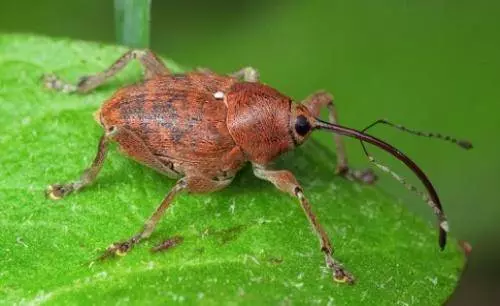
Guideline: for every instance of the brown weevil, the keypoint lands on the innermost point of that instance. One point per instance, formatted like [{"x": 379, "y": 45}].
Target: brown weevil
[{"x": 201, "y": 128}]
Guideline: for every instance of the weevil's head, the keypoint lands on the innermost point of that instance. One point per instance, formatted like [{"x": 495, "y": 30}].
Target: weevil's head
[
  {"x": 302, "y": 123},
  {"x": 264, "y": 122}
]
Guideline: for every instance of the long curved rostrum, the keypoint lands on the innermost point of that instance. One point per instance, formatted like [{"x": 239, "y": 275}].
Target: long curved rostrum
[{"x": 434, "y": 201}]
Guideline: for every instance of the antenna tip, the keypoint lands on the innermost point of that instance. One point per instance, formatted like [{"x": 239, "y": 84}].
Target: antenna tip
[{"x": 465, "y": 144}]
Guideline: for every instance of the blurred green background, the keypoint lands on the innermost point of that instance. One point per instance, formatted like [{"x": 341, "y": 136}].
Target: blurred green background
[{"x": 431, "y": 65}]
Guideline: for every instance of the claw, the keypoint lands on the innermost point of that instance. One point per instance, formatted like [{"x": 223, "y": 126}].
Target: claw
[
  {"x": 118, "y": 249},
  {"x": 340, "y": 276},
  {"x": 121, "y": 250},
  {"x": 57, "y": 191},
  {"x": 51, "y": 81}
]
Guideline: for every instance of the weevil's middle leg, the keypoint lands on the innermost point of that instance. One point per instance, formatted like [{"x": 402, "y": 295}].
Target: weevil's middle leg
[
  {"x": 315, "y": 103},
  {"x": 121, "y": 248},
  {"x": 286, "y": 182},
  {"x": 58, "y": 191},
  {"x": 189, "y": 183},
  {"x": 153, "y": 66}
]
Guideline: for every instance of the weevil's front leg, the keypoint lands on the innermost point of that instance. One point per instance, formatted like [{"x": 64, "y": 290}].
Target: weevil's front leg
[
  {"x": 247, "y": 74},
  {"x": 315, "y": 103},
  {"x": 286, "y": 182},
  {"x": 153, "y": 66},
  {"x": 58, "y": 191}
]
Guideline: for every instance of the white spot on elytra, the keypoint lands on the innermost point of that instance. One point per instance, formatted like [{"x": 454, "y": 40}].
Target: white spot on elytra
[{"x": 219, "y": 95}]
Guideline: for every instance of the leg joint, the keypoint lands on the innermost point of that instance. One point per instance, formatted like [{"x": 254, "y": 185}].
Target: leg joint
[
  {"x": 299, "y": 192},
  {"x": 138, "y": 53}
]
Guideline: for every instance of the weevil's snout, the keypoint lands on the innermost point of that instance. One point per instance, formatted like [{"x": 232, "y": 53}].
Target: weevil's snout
[{"x": 301, "y": 123}]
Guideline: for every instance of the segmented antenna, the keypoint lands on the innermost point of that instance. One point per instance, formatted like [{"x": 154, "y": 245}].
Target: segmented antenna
[
  {"x": 462, "y": 143},
  {"x": 443, "y": 223}
]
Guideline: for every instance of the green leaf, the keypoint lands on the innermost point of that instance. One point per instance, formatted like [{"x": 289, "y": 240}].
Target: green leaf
[{"x": 247, "y": 244}]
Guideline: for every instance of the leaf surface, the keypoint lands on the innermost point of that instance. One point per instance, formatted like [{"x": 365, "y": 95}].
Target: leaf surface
[{"x": 247, "y": 244}]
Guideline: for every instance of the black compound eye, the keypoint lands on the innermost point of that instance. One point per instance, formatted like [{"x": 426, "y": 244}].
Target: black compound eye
[{"x": 302, "y": 125}]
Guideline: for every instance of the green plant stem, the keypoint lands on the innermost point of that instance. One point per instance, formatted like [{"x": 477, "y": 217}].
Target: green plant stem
[{"x": 132, "y": 18}]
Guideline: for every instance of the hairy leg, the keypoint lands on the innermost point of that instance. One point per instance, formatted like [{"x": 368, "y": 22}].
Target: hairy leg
[
  {"x": 121, "y": 248},
  {"x": 58, "y": 191},
  {"x": 191, "y": 184},
  {"x": 286, "y": 182},
  {"x": 153, "y": 66}
]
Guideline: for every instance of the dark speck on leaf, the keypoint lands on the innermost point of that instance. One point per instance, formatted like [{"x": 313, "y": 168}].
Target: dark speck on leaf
[
  {"x": 275, "y": 260},
  {"x": 226, "y": 235},
  {"x": 168, "y": 244}
]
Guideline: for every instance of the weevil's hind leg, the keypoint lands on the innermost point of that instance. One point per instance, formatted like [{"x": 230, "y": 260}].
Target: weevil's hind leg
[
  {"x": 315, "y": 103},
  {"x": 191, "y": 184},
  {"x": 58, "y": 191},
  {"x": 153, "y": 66},
  {"x": 247, "y": 74},
  {"x": 286, "y": 182}
]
